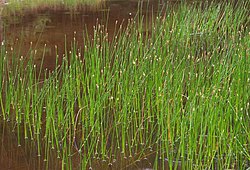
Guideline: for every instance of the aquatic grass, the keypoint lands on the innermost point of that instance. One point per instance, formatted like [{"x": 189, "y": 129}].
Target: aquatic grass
[
  {"x": 177, "y": 89},
  {"x": 19, "y": 8},
  {"x": 2, "y": 67},
  {"x": 15, "y": 9},
  {"x": 50, "y": 3}
]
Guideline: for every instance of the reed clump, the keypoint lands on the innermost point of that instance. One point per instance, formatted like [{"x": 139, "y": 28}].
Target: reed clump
[{"x": 178, "y": 90}]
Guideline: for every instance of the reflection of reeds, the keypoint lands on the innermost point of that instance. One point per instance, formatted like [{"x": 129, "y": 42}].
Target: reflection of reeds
[{"x": 171, "y": 91}]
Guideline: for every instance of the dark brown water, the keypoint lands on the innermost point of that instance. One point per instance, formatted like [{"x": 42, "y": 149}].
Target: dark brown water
[
  {"x": 25, "y": 156},
  {"x": 31, "y": 31}
]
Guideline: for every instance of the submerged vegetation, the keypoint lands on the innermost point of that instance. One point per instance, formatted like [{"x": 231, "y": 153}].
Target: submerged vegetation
[{"x": 176, "y": 87}]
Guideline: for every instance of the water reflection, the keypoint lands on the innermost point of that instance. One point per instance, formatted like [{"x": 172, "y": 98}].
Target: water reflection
[
  {"x": 25, "y": 156},
  {"x": 12, "y": 156},
  {"x": 53, "y": 27},
  {"x": 22, "y": 154}
]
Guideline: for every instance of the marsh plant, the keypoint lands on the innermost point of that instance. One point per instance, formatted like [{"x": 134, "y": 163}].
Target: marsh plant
[
  {"x": 178, "y": 91},
  {"x": 21, "y": 7}
]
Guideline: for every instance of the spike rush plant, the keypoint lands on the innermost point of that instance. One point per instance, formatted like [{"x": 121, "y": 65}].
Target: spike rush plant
[{"x": 175, "y": 88}]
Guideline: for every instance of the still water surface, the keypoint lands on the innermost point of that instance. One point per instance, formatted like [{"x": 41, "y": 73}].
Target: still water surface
[{"x": 54, "y": 27}]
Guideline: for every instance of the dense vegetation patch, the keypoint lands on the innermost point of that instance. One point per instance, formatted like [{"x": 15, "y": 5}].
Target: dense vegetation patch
[{"x": 176, "y": 86}]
